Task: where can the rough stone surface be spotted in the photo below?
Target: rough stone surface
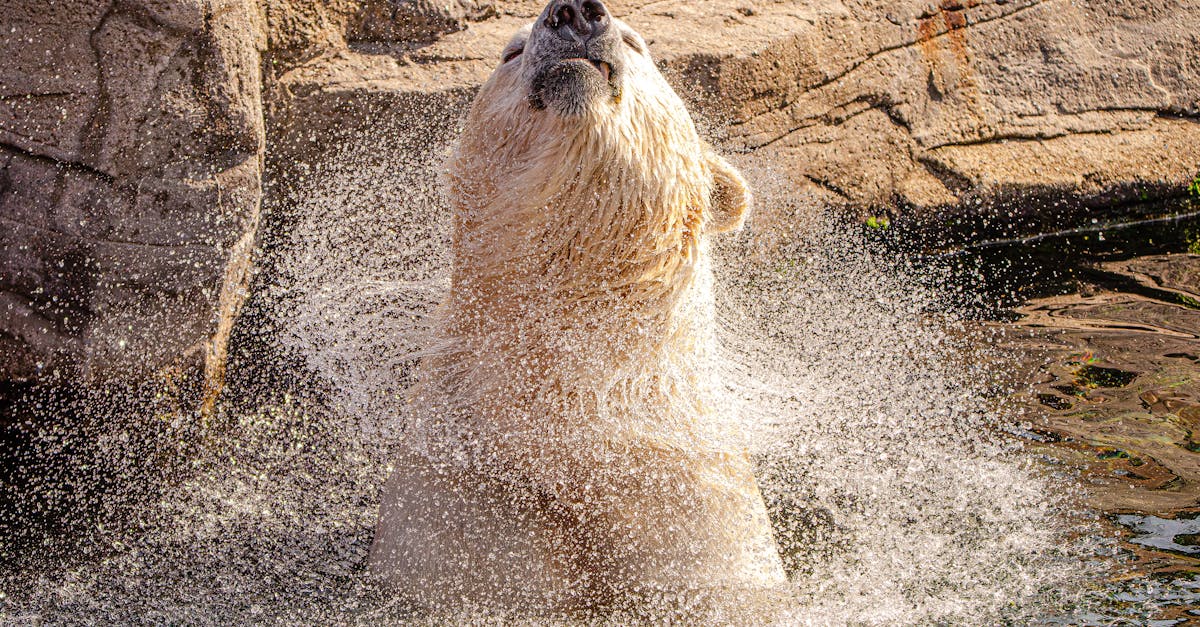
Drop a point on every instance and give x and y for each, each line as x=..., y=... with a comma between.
x=925, y=109
x=299, y=30
x=936, y=107
x=131, y=142
x=132, y=132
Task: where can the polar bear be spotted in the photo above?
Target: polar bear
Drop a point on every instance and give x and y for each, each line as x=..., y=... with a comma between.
x=568, y=447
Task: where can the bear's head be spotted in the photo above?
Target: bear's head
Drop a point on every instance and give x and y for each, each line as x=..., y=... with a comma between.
x=580, y=164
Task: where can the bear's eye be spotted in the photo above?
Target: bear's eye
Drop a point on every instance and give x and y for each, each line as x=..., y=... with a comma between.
x=632, y=41
x=511, y=54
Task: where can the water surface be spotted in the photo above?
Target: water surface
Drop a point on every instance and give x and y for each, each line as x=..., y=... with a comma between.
x=921, y=425
x=1104, y=325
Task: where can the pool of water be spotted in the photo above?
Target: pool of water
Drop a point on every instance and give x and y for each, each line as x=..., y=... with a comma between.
x=997, y=277
x=1104, y=326
x=996, y=433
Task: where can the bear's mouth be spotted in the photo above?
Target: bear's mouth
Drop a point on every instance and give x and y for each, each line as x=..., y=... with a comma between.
x=569, y=83
x=602, y=67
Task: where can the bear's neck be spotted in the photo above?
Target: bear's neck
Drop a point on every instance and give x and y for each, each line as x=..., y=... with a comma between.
x=596, y=220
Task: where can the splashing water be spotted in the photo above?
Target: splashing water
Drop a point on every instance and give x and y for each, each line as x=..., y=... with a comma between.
x=865, y=403
x=884, y=432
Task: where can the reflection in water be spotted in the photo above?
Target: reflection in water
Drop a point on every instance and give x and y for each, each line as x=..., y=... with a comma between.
x=1181, y=535
x=1105, y=324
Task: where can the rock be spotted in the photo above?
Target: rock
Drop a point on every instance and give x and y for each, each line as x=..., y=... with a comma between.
x=299, y=30
x=132, y=134
x=964, y=108
x=961, y=108
x=131, y=146
x=415, y=21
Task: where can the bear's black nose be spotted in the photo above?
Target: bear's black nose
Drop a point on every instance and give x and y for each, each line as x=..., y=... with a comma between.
x=578, y=20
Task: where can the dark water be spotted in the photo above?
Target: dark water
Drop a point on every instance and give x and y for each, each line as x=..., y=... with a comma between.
x=1000, y=275
x=1105, y=322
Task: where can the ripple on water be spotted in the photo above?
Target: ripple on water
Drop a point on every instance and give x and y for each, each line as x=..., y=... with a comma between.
x=1106, y=331
x=1179, y=535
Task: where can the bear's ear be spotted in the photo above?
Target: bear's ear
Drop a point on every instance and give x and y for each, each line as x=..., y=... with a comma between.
x=731, y=197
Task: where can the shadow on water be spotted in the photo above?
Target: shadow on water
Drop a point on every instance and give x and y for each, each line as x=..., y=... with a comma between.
x=998, y=276
x=76, y=463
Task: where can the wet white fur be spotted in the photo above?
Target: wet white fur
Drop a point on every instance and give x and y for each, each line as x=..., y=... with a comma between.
x=568, y=444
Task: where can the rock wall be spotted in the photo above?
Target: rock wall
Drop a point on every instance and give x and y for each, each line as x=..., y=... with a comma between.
x=131, y=146
x=132, y=132
x=957, y=108
x=972, y=106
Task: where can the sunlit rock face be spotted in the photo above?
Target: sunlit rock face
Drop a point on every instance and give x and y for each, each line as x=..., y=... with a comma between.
x=131, y=143
x=568, y=447
x=1022, y=111
x=1029, y=112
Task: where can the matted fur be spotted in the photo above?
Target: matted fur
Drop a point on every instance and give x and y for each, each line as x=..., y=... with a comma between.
x=568, y=445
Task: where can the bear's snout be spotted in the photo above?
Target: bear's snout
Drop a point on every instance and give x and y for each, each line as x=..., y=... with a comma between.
x=574, y=57
x=576, y=21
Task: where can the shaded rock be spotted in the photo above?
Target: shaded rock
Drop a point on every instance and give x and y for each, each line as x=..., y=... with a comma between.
x=345, y=97
x=131, y=143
